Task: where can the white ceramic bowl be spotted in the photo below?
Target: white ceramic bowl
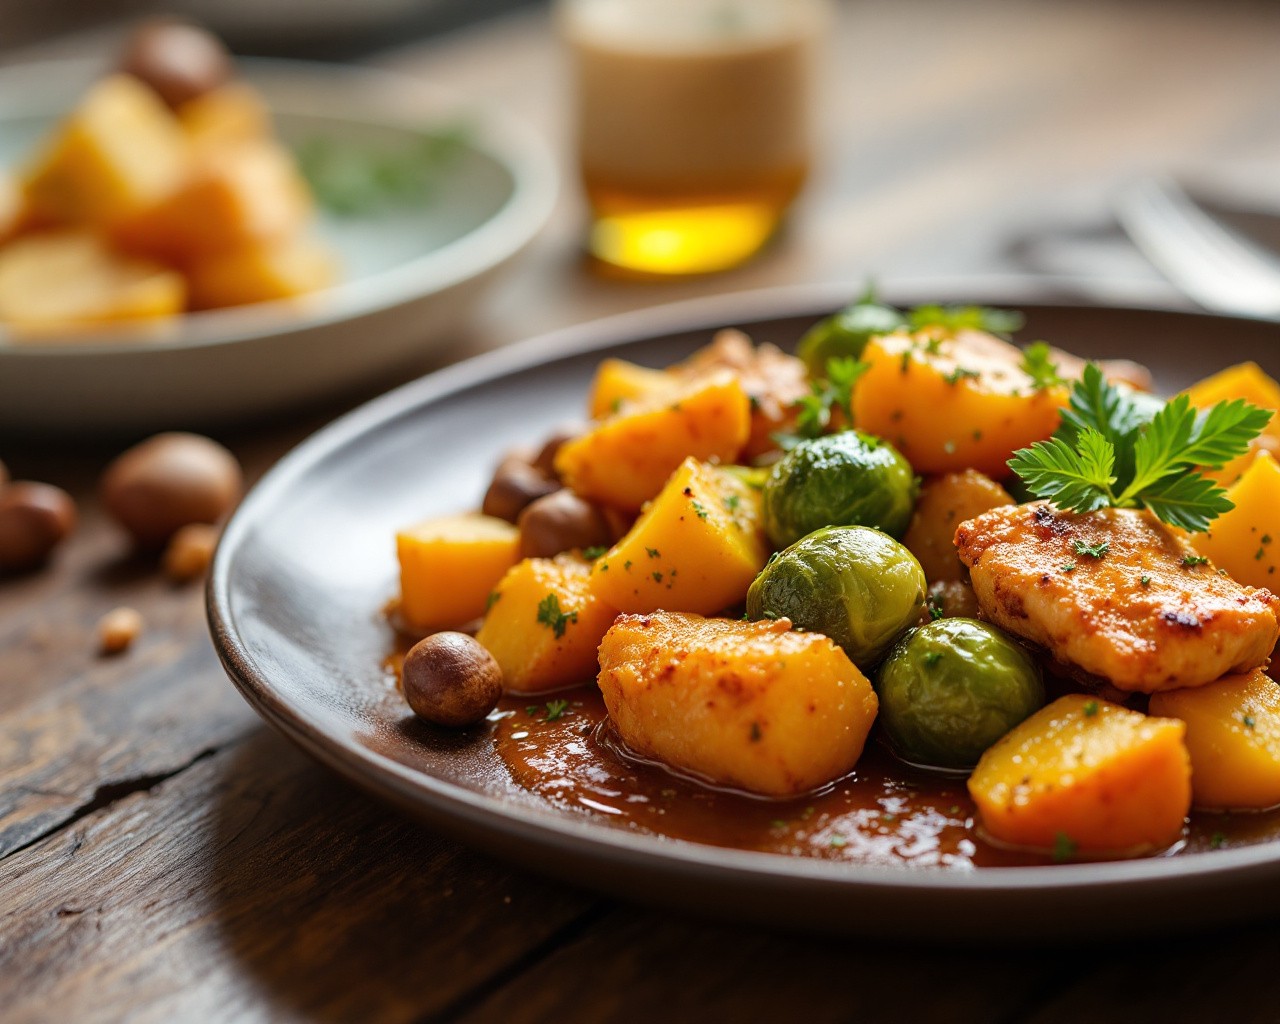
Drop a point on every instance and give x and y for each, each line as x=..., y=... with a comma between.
x=410, y=275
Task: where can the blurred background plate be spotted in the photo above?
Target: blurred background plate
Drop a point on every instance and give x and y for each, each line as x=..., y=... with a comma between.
x=410, y=274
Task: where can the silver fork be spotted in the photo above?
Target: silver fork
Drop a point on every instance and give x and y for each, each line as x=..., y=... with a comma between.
x=1208, y=261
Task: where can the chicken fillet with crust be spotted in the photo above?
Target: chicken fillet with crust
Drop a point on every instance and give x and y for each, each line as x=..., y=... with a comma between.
x=1144, y=613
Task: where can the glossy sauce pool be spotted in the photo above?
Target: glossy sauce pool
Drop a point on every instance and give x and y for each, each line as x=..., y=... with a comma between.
x=561, y=748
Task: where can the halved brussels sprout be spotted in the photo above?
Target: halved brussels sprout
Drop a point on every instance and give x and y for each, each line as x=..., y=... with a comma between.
x=844, y=479
x=855, y=584
x=846, y=334
x=950, y=689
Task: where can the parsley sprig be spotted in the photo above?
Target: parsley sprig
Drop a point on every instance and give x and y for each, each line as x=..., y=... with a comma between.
x=550, y=615
x=1037, y=363
x=827, y=395
x=1111, y=451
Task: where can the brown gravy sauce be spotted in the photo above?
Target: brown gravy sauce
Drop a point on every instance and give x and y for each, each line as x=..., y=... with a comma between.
x=562, y=748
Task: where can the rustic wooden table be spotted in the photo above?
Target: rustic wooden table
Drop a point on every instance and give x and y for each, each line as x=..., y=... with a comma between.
x=164, y=856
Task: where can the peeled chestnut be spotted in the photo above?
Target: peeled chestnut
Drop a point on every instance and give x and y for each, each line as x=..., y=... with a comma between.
x=515, y=484
x=450, y=679
x=159, y=486
x=34, y=519
x=545, y=460
x=560, y=522
x=179, y=61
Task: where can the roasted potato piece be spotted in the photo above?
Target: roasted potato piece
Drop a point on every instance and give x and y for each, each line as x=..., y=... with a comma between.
x=261, y=273
x=1086, y=776
x=228, y=115
x=119, y=151
x=618, y=381
x=754, y=705
x=626, y=459
x=1233, y=734
x=450, y=565
x=1244, y=380
x=544, y=625
x=953, y=401
x=1244, y=540
x=69, y=278
x=945, y=502
x=696, y=548
x=240, y=196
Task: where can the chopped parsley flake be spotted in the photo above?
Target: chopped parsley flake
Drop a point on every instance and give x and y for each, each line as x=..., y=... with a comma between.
x=934, y=604
x=1191, y=561
x=1090, y=709
x=593, y=552
x=1092, y=550
x=732, y=502
x=653, y=552
x=550, y=615
x=493, y=598
x=932, y=658
x=1068, y=567
x=1217, y=841
x=1037, y=364
x=699, y=509
x=1064, y=847
x=1145, y=581
x=556, y=708
x=657, y=577
x=961, y=373
x=1249, y=721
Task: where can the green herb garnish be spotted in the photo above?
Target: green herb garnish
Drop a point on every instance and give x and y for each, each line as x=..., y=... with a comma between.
x=550, y=615
x=1092, y=550
x=352, y=178
x=1105, y=455
x=964, y=318
x=556, y=708
x=1064, y=847
x=1040, y=367
x=832, y=392
x=960, y=373
x=593, y=552
x=1090, y=708
x=1191, y=561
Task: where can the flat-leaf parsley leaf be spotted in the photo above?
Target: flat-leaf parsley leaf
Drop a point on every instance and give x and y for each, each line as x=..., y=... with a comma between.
x=550, y=615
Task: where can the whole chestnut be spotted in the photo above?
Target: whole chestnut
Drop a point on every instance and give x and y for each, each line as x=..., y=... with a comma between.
x=159, y=486
x=451, y=680
x=34, y=519
x=179, y=61
x=515, y=484
x=560, y=522
x=545, y=460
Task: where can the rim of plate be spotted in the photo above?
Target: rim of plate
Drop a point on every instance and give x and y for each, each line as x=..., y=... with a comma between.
x=552, y=831
x=491, y=131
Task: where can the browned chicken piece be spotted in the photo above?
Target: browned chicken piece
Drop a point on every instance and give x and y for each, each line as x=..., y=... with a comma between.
x=1116, y=594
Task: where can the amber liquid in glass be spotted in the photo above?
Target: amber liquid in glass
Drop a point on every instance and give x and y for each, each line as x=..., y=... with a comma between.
x=694, y=125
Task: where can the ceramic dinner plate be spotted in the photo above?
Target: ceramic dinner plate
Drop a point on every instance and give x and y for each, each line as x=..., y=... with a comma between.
x=410, y=272
x=307, y=563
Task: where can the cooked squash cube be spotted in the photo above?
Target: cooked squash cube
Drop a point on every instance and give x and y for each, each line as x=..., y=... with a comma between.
x=754, y=705
x=951, y=402
x=1244, y=380
x=945, y=502
x=1246, y=541
x=449, y=567
x=626, y=459
x=230, y=114
x=545, y=624
x=1084, y=775
x=618, y=381
x=261, y=273
x=71, y=278
x=696, y=548
x=240, y=197
x=119, y=151
x=1233, y=734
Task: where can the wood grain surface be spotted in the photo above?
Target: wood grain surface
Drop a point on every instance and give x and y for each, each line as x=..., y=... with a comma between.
x=164, y=856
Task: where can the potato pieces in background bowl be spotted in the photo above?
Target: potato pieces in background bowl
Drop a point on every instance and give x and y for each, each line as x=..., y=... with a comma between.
x=194, y=206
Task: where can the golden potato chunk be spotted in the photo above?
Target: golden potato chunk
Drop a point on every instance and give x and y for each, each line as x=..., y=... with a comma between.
x=945, y=502
x=232, y=113
x=121, y=149
x=261, y=273
x=71, y=278
x=618, y=381
x=626, y=459
x=951, y=402
x=544, y=625
x=450, y=565
x=1115, y=593
x=696, y=548
x=1233, y=734
x=1246, y=540
x=1085, y=776
x=753, y=705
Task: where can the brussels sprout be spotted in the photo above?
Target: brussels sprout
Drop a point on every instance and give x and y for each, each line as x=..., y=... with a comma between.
x=846, y=334
x=950, y=689
x=857, y=585
x=844, y=479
